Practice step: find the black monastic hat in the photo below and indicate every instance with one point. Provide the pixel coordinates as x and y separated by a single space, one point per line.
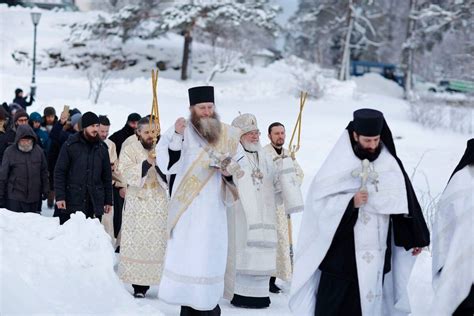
201 94
368 122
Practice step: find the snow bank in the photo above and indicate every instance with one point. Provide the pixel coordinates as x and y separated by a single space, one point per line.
52 269
374 83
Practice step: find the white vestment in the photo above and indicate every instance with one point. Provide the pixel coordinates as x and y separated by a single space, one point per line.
328 197
196 254
108 219
284 269
254 220
144 235
453 243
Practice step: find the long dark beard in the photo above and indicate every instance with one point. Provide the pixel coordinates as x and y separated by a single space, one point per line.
362 153
90 138
209 128
146 145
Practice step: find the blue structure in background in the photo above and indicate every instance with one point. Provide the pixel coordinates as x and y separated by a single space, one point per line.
389 71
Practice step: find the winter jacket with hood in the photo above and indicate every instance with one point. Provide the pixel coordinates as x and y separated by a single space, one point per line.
24 175
43 136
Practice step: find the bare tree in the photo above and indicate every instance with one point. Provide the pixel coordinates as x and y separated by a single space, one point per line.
224 55
98 78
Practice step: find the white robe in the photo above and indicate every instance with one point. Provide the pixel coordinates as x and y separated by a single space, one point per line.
144 235
196 254
284 269
453 243
330 192
108 219
255 236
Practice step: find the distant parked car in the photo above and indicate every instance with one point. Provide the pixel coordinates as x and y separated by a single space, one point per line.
462 86
420 84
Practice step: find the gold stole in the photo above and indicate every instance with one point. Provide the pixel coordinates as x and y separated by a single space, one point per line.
198 174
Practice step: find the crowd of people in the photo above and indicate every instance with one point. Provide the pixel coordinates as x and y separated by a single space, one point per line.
203 210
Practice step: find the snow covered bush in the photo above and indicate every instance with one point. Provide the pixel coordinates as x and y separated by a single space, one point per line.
308 76
454 112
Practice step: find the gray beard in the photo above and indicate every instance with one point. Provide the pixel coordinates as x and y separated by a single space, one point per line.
25 149
209 128
251 146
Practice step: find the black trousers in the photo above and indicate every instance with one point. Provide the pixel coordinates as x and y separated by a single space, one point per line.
250 302
23 207
337 297
118 206
189 311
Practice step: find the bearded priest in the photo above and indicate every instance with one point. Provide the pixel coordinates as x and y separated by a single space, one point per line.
252 222
144 214
361 229
199 156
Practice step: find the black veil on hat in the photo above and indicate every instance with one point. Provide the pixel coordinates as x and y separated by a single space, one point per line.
201 94
467 158
411 226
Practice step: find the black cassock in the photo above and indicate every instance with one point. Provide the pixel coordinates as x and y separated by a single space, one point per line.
338 292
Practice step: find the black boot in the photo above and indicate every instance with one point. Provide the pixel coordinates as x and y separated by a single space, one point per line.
273 287
139 290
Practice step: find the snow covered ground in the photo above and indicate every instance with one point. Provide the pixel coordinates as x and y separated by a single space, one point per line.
69 270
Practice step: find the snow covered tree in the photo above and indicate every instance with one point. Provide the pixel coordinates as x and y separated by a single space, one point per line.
314 30
341 28
130 22
188 17
97 47
116 5
427 24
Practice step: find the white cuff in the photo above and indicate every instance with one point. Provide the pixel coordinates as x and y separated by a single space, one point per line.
176 142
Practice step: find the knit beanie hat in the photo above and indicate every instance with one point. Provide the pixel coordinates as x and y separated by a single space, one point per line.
35 117
89 119
76 118
18 114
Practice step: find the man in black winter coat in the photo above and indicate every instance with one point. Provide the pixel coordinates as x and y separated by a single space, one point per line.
24 174
82 176
8 137
128 130
21 100
60 132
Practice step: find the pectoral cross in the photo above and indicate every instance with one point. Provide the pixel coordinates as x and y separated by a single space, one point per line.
366 173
